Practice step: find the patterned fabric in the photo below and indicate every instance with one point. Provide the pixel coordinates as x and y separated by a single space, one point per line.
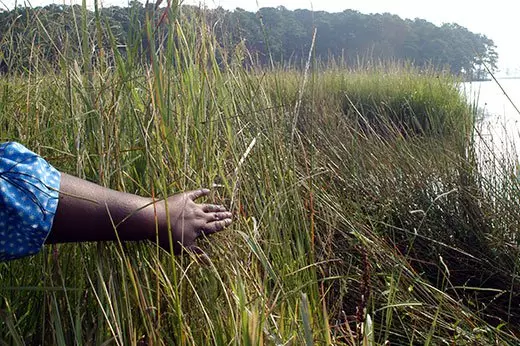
28 200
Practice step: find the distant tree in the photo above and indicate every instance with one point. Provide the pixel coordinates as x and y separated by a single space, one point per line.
271 35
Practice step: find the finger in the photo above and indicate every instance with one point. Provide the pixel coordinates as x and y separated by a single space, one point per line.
209 208
216 226
193 195
219 216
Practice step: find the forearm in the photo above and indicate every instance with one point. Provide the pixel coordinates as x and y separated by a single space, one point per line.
89 212
41 205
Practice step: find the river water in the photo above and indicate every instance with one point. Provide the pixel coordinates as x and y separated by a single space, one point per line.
498 129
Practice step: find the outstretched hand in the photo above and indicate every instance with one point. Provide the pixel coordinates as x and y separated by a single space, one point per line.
188 220
89 212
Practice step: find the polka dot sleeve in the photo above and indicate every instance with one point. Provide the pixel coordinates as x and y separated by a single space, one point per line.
28 200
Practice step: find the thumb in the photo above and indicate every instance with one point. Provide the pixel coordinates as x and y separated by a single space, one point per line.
193 195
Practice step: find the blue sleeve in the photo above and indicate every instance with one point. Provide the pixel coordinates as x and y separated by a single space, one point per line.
28 200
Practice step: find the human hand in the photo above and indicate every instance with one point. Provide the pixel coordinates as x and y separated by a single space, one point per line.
188 220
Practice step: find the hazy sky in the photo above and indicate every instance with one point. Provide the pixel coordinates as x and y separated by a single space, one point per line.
498 19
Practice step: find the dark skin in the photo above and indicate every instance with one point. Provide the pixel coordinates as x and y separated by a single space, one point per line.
89 212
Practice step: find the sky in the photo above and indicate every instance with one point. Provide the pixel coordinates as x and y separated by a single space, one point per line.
496 19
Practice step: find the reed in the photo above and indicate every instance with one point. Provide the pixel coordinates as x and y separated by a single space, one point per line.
361 214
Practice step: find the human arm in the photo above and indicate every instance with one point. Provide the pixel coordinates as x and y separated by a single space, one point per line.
90 212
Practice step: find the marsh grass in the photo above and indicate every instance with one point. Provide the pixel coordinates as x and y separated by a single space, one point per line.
365 221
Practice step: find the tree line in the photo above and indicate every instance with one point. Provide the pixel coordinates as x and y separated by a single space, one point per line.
271 35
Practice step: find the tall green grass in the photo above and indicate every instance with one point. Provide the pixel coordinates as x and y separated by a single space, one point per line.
361 215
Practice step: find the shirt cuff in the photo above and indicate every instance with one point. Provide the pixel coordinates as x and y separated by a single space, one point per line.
29 189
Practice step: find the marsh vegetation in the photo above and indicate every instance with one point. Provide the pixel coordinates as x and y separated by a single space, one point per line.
361 216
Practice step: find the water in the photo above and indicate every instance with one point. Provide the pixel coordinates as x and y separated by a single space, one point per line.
492 100
498 129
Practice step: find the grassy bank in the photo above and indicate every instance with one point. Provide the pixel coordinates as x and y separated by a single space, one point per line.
360 213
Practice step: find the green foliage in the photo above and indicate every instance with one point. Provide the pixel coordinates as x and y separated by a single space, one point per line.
270 34
361 215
